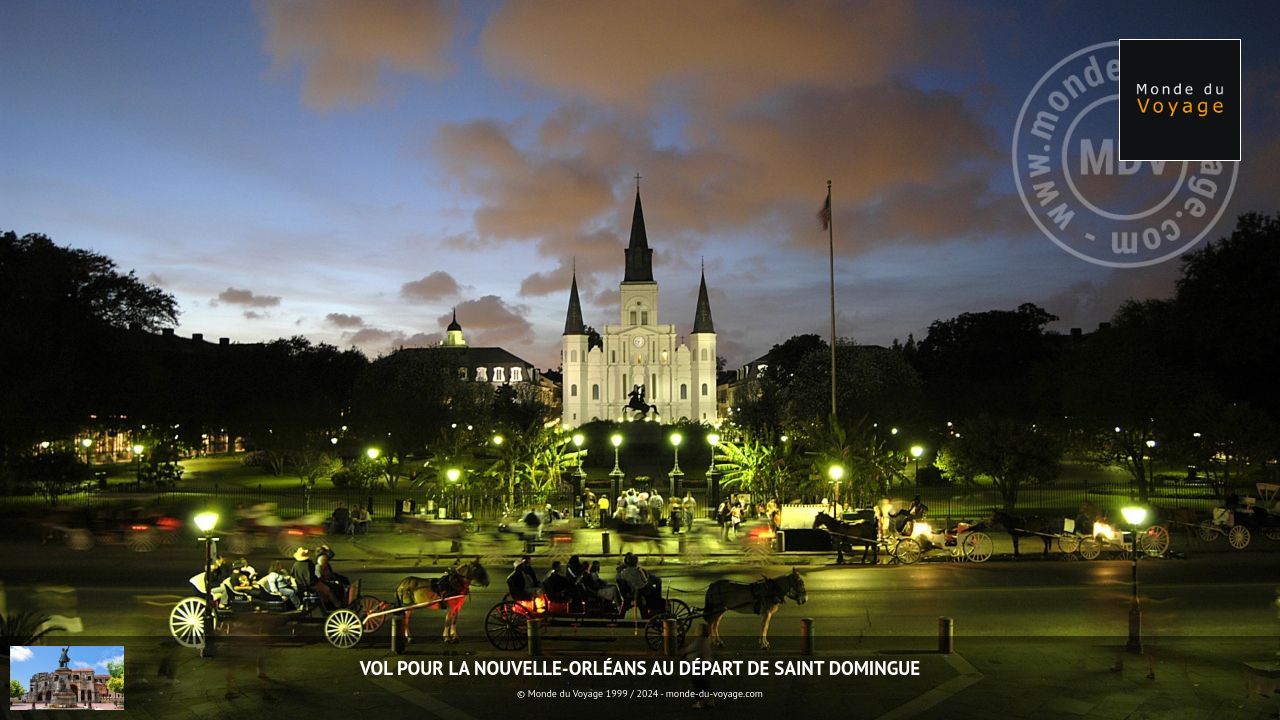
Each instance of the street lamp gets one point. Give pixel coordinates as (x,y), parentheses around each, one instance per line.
(372,453)
(836,473)
(578,475)
(615,475)
(453,474)
(1135,516)
(916,452)
(497,439)
(714,441)
(1151,462)
(137,463)
(676,474)
(206,522)
(86,444)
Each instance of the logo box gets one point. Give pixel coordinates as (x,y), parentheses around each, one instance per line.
(1180,100)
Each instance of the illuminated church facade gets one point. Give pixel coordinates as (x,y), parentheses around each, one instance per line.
(639,354)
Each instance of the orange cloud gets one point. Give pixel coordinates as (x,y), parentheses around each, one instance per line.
(435,286)
(345,46)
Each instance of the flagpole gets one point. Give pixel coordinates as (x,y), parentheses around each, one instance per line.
(831,257)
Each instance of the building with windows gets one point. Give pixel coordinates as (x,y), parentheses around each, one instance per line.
(490,364)
(639,354)
(82,684)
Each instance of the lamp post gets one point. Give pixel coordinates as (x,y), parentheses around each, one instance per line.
(453,474)
(615,475)
(836,473)
(713,487)
(1134,516)
(1151,462)
(206,522)
(578,474)
(916,452)
(87,443)
(138,449)
(676,474)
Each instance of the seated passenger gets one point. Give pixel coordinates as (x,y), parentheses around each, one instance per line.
(593,582)
(638,586)
(557,584)
(279,584)
(523,583)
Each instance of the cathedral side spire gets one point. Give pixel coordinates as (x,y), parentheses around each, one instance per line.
(702,317)
(639,255)
(573,324)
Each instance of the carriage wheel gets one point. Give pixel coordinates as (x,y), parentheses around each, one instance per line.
(681,611)
(1272,533)
(1069,544)
(505,626)
(1155,541)
(366,604)
(1239,537)
(908,551)
(653,630)
(1090,548)
(141,541)
(978,547)
(343,628)
(186,622)
(240,543)
(1207,533)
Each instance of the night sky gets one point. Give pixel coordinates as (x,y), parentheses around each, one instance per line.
(350,171)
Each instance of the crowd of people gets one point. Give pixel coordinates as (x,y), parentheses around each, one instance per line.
(578,581)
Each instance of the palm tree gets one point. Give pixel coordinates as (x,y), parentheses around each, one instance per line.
(24,628)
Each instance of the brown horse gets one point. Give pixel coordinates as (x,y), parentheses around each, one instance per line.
(443,593)
(762,597)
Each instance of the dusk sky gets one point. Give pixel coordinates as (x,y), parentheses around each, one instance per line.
(351,171)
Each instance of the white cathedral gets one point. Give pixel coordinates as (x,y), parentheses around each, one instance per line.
(640,358)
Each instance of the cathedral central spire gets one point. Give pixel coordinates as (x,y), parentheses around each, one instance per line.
(639,255)
(573,324)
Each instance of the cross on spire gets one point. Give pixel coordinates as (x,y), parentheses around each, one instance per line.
(637,182)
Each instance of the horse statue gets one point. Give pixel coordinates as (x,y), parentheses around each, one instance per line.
(762,597)
(448,593)
(637,403)
(1030,526)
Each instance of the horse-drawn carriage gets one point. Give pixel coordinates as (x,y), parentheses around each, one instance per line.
(1238,520)
(909,538)
(1086,536)
(506,625)
(343,627)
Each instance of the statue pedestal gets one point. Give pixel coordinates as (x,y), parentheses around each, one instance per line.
(63,699)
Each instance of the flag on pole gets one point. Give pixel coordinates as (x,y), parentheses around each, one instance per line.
(824,215)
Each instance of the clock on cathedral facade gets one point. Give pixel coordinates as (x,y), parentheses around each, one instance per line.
(639,355)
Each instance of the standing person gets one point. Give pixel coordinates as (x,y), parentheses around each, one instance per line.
(690,509)
(722,519)
(603,506)
(657,506)
(676,512)
(735,517)
(589,507)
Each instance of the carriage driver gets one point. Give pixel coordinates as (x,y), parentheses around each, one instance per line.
(523,583)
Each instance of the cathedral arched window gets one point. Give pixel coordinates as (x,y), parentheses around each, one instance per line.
(654,384)
(644,317)
(613,356)
(573,356)
(704,389)
(633,317)
(573,391)
(595,392)
(704,354)
(684,391)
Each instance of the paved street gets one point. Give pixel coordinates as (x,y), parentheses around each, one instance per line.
(1039,637)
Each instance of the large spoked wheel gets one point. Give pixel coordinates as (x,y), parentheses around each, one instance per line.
(1155,541)
(343,628)
(1207,532)
(908,551)
(366,604)
(141,541)
(506,626)
(978,547)
(654,628)
(1090,548)
(186,622)
(1069,543)
(1239,537)
(1272,533)
(240,543)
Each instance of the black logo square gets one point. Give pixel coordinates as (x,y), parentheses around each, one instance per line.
(1180,100)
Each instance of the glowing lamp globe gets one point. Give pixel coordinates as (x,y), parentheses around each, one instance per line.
(453,474)
(835,472)
(1134,515)
(713,439)
(206,521)
(676,439)
(916,451)
(578,439)
(373,453)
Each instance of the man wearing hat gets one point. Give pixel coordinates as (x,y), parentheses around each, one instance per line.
(304,574)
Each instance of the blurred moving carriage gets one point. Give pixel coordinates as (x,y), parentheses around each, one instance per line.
(343,627)
(507,623)
(1237,520)
(1087,535)
(908,540)
(137,528)
(259,526)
